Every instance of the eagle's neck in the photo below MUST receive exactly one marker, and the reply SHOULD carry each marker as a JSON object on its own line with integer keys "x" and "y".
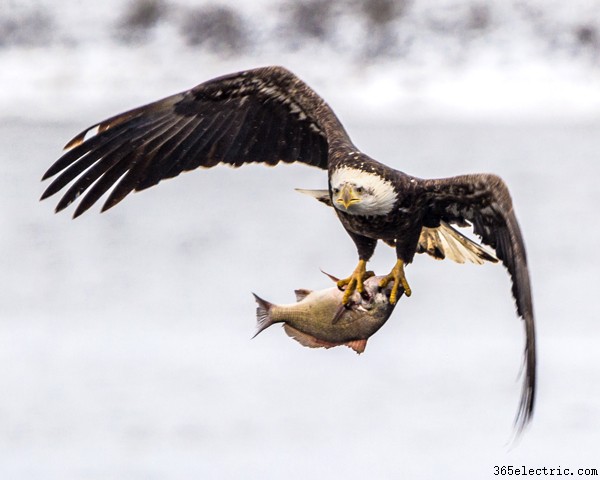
{"x": 379, "y": 195}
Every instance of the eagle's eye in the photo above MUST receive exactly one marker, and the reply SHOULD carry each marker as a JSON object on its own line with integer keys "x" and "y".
{"x": 336, "y": 190}
{"x": 359, "y": 189}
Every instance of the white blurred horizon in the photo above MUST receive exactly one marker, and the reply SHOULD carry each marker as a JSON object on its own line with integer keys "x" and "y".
{"x": 125, "y": 337}
{"x": 535, "y": 60}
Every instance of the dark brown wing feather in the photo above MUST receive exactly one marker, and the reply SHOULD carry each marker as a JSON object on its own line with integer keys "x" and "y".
{"x": 266, "y": 115}
{"x": 484, "y": 202}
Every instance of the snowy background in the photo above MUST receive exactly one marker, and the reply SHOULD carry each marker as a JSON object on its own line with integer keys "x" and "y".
{"x": 125, "y": 346}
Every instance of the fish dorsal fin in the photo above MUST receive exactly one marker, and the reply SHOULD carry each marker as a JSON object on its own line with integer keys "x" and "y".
{"x": 302, "y": 293}
{"x": 333, "y": 278}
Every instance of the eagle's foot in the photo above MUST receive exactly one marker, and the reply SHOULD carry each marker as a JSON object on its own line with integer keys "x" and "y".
{"x": 355, "y": 281}
{"x": 399, "y": 278}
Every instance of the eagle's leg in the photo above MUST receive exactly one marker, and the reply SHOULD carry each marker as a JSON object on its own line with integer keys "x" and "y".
{"x": 399, "y": 278}
{"x": 355, "y": 281}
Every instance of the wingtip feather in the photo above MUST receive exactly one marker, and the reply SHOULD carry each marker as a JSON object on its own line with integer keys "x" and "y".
{"x": 47, "y": 174}
{"x": 81, "y": 137}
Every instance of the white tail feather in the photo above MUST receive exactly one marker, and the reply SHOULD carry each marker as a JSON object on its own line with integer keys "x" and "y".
{"x": 446, "y": 242}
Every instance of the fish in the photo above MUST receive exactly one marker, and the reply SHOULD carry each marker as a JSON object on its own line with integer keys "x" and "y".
{"x": 319, "y": 319}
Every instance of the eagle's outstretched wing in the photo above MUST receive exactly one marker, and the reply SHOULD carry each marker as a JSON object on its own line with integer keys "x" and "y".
{"x": 484, "y": 201}
{"x": 265, "y": 115}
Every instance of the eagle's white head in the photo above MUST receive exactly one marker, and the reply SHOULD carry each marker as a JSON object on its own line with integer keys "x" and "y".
{"x": 357, "y": 192}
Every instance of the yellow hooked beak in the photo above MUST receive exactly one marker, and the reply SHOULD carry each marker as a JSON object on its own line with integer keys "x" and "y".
{"x": 348, "y": 196}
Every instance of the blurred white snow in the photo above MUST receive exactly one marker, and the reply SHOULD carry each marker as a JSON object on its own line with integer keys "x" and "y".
{"x": 125, "y": 345}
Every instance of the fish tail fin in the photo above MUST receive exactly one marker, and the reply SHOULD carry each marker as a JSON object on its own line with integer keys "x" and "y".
{"x": 263, "y": 315}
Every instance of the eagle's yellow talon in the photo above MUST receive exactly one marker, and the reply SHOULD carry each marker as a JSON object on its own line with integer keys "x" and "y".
{"x": 355, "y": 281}
{"x": 348, "y": 293}
{"x": 398, "y": 277}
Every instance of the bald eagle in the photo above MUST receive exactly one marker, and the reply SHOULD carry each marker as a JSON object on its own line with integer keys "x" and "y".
{"x": 268, "y": 115}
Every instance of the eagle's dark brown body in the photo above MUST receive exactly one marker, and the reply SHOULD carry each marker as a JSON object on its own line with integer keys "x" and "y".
{"x": 268, "y": 115}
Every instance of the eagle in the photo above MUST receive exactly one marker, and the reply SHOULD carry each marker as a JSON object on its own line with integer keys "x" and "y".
{"x": 268, "y": 115}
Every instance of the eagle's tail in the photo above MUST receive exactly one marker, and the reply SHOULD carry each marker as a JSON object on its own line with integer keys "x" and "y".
{"x": 263, "y": 315}
{"x": 446, "y": 242}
